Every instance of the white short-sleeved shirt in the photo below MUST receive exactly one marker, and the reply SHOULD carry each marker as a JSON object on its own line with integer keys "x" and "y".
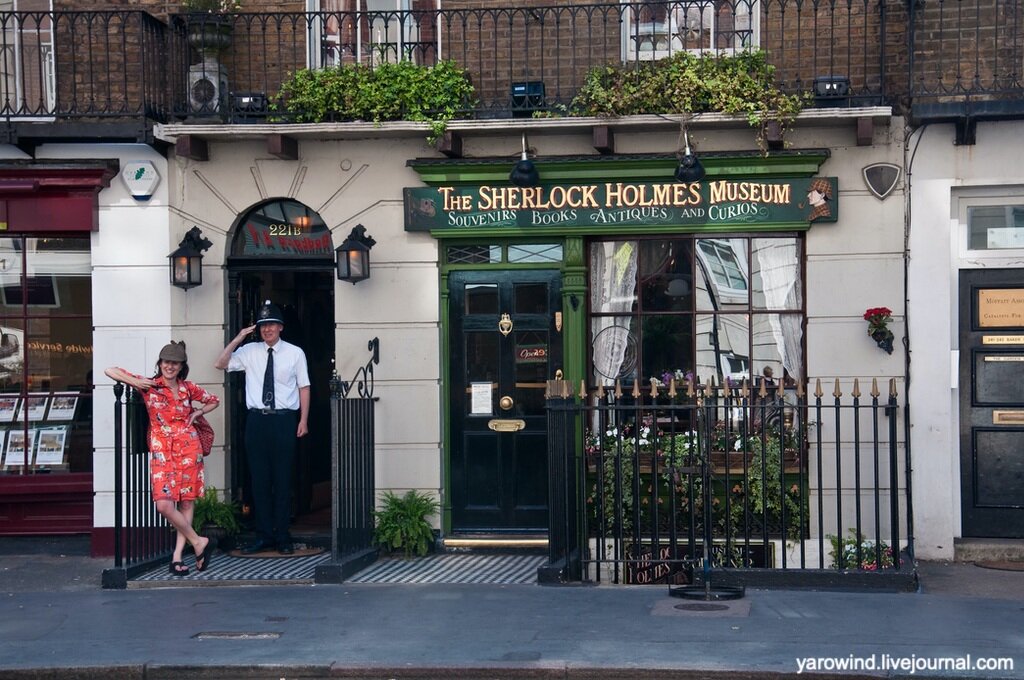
{"x": 290, "y": 373}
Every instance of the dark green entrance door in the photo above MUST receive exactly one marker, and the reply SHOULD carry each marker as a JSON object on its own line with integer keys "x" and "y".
{"x": 992, "y": 402}
{"x": 504, "y": 347}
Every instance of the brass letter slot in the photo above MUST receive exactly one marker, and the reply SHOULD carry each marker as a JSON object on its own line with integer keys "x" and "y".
{"x": 506, "y": 424}
{"x": 1005, "y": 357}
{"x": 1008, "y": 417}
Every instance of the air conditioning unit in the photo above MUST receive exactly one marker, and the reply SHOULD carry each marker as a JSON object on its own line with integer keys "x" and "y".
{"x": 207, "y": 88}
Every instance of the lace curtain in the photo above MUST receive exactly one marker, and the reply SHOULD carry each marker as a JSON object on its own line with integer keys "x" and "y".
{"x": 613, "y": 267}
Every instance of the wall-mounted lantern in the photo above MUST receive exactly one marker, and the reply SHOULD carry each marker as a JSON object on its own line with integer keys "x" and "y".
{"x": 186, "y": 263}
{"x": 353, "y": 255}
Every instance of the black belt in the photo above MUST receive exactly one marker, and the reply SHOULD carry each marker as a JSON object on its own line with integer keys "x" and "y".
{"x": 272, "y": 411}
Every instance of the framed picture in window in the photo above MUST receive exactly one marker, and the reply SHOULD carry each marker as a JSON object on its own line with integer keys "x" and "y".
{"x": 9, "y": 404}
{"x": 37, "y": 291}
{"x": 36, "y": 406}
{"x": 50, "y": 445}
{"x": 62, "y": 407}
{"x": 16, "y": 445}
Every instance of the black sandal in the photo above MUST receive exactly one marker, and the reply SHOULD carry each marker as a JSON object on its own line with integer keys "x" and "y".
{"x": 179, "y": 569}
{"x": 204, "y": 558}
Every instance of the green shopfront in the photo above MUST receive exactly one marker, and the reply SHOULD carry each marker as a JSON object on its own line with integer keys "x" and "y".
{"x": 603, "y": 274}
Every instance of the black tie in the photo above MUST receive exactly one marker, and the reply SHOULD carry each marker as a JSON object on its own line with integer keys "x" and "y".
{"x": 268, "y": 380}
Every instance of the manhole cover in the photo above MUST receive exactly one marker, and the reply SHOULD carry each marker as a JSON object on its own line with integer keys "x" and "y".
{"x": 702, "y": 607}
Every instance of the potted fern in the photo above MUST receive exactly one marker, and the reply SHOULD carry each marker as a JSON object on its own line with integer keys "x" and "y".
{"x": 401, "y": 523}
{"x": 216, "y": 519}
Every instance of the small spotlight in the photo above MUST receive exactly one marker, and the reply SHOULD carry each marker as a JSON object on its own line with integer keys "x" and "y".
{"x": 524, "y": 174}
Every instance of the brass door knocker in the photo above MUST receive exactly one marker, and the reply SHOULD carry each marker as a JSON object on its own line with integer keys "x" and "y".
{"x": 505, "y": 325}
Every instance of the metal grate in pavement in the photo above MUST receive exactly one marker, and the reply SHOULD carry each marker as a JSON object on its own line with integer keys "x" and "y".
{"x": 454, "y": 568}
{"x": 224, "y": 567}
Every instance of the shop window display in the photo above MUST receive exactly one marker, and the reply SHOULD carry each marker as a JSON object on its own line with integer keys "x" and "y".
{"x": 727, "y": 309}
{"x": 45, "y": 355}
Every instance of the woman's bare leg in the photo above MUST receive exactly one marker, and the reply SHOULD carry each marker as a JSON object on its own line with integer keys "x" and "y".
{"x": 183, "y": 524}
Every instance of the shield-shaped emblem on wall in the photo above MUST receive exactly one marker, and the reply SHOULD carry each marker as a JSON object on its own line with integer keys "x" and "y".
{"x": 881, "y": 178}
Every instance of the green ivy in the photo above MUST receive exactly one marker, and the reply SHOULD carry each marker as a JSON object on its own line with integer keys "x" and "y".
{"x": 740, "y": 84}
{"x": 388, "y": 92}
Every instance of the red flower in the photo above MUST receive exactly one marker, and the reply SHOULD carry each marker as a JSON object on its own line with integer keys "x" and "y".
{"x": 881, "y": 312}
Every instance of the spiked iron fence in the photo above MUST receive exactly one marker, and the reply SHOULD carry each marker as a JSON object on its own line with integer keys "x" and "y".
{"x": 778, "y": 485}
{"x": 142, "y": 537}
{"x": 352, "y": 472}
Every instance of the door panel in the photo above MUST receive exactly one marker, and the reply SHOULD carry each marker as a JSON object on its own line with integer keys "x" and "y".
{"x": 499, "y": 478}
{"x": 992, "y": 402}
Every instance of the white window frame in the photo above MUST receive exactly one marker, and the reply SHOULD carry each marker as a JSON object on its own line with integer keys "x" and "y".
{"x": 977, "y": 198}
{"x": 665, "y": 39}
{"x": 13, "y": 82}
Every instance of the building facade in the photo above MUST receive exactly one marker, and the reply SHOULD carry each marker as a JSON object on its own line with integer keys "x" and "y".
{"x": 610, "y": 269}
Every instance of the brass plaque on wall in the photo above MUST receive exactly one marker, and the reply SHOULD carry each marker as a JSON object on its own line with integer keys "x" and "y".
{"x": 1000, "y": 307}
{"x": 1002, "y": 339}
{"x": 1008, "y": 417}
{"x": 1005, "y": 357}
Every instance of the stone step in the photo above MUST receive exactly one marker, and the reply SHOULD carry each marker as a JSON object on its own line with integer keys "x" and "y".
{"x": 988, "y": 549}
{"x": 495, "y": 542}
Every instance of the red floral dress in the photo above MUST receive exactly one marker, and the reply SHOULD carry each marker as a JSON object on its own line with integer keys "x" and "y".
{"x": 175, "y": 454}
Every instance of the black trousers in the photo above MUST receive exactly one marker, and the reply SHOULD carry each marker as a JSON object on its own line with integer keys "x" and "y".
{"x": 270, "y": 449}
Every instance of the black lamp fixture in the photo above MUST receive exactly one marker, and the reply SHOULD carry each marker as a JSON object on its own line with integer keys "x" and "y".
{"x": 689, "y": 168}
{"x": 524, "y": 174}
{"x": 186, "y": 262}
{"x": 352, "y": 257}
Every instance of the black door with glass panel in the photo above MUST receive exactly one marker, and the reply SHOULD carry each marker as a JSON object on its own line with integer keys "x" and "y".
{"x": 992, "y": 403}
{"x": 504, "y": 347}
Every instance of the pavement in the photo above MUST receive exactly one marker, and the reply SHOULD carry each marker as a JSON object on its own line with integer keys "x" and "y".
{"x": 56, "y": 622}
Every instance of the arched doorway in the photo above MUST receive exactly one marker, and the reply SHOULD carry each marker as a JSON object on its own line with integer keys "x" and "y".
{"x": 281, "y": 250}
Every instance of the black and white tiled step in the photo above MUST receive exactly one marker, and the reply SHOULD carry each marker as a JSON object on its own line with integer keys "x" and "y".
{"x": 454, "y": 568}
{"x": 226, "y": 567}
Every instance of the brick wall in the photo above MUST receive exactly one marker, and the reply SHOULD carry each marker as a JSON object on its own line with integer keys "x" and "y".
{"x": 121, "y": 59}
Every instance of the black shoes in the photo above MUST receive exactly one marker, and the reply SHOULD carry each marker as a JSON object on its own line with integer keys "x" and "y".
{"x": 260, "y": 545}
{"x": 257, "y": 546}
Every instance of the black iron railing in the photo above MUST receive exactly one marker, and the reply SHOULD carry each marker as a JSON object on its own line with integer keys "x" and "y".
{"x": 142, "y": 537}
{"x": 675, "y": 484}
{"x": 353, "y": 487}
{"x": 96, "y": 66}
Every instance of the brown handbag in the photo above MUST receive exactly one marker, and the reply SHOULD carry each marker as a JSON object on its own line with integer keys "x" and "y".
{"x": 205, "y": 432}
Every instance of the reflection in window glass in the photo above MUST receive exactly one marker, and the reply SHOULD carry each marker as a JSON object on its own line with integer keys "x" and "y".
{"x": 535, "y": 252}
{"x": 992, "y": 227}
{"x": 482, "y": 298}
{"x": 473, "y": 254}
{"x": 776, "y": 274}
{"x": 531, "y": 298}
{"x": 46, "y": 351}
{"x": 664, "y": 308}
{"x": 725, "y": 261}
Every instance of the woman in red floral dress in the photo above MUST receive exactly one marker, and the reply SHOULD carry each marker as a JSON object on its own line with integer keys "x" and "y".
{"x": 176, "y": 455}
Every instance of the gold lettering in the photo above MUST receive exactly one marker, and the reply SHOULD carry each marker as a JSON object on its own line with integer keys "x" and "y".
{"x": 612, "y": 194}
{"x": 589, "y": 200}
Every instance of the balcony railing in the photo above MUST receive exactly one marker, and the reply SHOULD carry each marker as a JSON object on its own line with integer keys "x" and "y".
{"x": 98, "y": 66}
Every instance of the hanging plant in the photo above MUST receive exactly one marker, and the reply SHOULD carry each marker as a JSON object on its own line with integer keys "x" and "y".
{"x": 878, "y": 319}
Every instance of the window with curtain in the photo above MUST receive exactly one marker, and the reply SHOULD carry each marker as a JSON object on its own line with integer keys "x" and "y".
{"x": 722, "y": 308}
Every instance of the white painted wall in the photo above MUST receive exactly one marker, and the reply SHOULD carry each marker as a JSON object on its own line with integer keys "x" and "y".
{"x": 940, "y": 172}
